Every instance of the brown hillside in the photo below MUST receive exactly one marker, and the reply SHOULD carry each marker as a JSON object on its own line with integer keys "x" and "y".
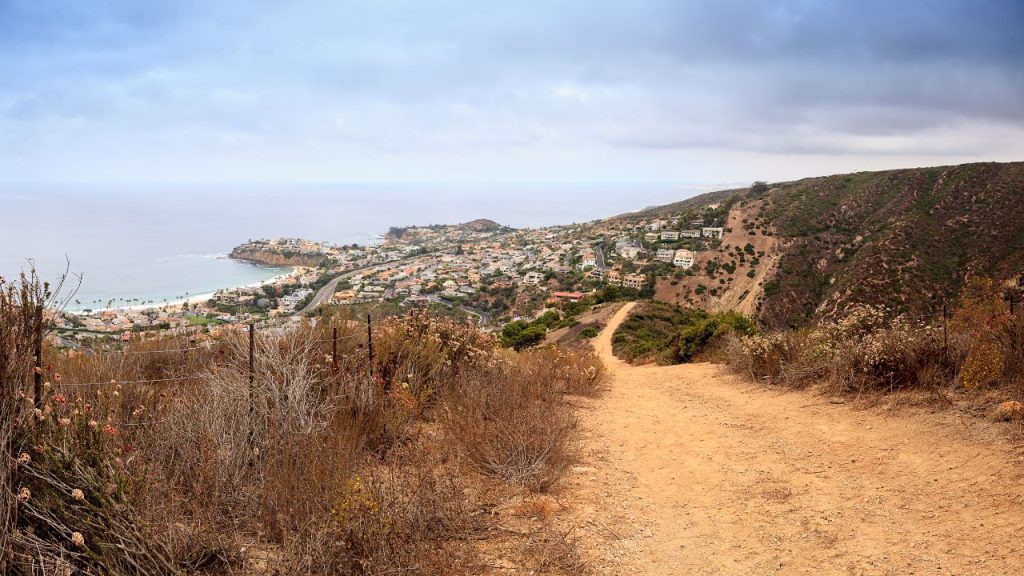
{"x": 903, "y": 238}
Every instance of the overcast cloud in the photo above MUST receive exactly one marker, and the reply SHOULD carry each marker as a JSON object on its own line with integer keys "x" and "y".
{"x": 546, "y": 90}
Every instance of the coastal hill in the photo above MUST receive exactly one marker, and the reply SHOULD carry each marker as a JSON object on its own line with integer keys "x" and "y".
{"x": 280, "y": 252}
{"x": 417, "y": 234}
{"x": 795, "y": 252}
{"x": 482, "y": 225}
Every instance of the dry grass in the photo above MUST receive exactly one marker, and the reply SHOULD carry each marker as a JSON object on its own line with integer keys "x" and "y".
{"x": 868, "y": 352}
{"x": 317, "y": 468}
{"x": 511, "y": 425}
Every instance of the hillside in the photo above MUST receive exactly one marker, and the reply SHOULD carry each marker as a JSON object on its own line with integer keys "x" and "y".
{"x": 902, "y": 238}
{"x": 279, "y": 252}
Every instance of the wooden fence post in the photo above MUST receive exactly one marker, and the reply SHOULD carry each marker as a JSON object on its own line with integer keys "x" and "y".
{"x": 369, "y": 343}
{"x": 334, "y": 347}
{"x": 252, "y": 377}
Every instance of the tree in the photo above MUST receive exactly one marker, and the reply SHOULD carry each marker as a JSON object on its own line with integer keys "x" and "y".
{"x": 758, "y": 189}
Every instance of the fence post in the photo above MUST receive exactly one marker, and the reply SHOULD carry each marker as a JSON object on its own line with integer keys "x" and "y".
{"x": 369, "y": 343}
{"x": 252, "y": 376}
{"x": 37, "y": 369}
{"x": 334, "y": 347}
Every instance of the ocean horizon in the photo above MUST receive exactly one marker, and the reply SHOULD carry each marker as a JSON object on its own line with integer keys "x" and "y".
{"x": 135, "y": 244}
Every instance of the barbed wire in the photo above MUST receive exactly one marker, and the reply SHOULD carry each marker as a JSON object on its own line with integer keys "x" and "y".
{"x": 122, "y": 382}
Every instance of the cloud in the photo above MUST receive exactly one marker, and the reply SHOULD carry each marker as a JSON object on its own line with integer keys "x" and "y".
{"x": 569, "y": 90}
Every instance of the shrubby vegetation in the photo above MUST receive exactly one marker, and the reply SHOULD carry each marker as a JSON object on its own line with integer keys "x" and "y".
{"x": 317, "y": 468}
{"x": 669, "y": 334}
{"x": 869, "y": 349}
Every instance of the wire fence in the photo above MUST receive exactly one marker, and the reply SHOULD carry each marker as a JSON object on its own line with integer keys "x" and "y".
{"x": 334, "y": 340}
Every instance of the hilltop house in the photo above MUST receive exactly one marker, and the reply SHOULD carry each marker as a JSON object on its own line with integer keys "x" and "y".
{"x": 614, "y": 277}
{"x": 690, "y": 234}
{"x": 712, "y": 232}
{"x": 683, "y": 259}
{"x": 669, "y": 235}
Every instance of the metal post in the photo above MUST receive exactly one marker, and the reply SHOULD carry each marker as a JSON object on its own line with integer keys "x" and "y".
{"x": 37, "y": 388}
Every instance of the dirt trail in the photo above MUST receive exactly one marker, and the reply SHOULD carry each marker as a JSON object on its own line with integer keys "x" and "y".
{"x": 687, "y": 470}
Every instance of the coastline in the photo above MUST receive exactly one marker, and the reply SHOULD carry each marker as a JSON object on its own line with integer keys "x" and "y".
{"x": 192, "y": 299}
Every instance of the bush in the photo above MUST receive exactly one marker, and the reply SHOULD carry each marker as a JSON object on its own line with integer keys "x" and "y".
{"x": 511, "y": 426}
{"x": 314, "y": 469}
{"x": 696, "y": 336}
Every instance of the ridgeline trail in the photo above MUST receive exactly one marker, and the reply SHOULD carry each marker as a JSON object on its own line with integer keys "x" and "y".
{"x": 690, "y": 470}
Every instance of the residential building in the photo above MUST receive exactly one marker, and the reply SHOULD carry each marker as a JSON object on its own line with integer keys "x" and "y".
{"x": 613, "y": 277}
{"x": 664, "y": 255}
{"x": 712, "y": 232}
{"x": 690, "y": 234}
{"x": 683, "y": 259}
{"x": 570, "y": 296}
{"x": 533, "y": 278}
{"x": 634, "y": 281}
{"x": 667, "y": 235}
{"x": 651, "y": 236}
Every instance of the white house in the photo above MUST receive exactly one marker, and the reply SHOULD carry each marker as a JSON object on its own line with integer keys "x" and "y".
{"x": 664, "y": 255}
{"x": 532, "y": 278}
{"x": 669, "y": 235}
{"x": 712, "y": 232}
{"x": 683, "y": 259}
{"x": 651, "y": 236}
{"x": 690, "y": 234}
{"x": 588, "y": 259}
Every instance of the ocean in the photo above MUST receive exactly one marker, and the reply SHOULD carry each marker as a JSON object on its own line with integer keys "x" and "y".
{"x": 155, "y": 243}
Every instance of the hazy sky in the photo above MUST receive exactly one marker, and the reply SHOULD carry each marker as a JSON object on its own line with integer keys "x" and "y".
{"x": 524, "y": 90}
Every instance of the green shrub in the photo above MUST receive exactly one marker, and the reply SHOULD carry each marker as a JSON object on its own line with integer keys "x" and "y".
{"x": 697, "y": 336}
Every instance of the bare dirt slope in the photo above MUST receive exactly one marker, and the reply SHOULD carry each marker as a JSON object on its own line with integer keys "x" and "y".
{"x": 687, "y": 470}
{"x": 739, "y": 291}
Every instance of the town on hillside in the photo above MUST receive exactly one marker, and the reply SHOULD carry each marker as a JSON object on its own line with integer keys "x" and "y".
{"x": 481, "y": 270}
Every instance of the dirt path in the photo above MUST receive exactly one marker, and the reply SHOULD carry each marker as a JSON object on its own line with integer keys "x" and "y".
{"x": 687, "y": 470}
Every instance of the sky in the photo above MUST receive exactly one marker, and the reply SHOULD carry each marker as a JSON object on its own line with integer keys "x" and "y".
{"x": 523, "y": 91}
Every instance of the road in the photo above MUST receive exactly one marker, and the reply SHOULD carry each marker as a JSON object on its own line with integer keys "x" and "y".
{"x": 326, "y": 292}
{"x": 599, "y": 257}
{"x": 689, "y": 470}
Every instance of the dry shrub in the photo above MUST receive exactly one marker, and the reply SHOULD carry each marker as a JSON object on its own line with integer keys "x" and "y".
{"x": 869, "y": 349}
{"x": 577, "y": 371}
{"x": 511, "y": 425}
{"x": 317, "y": 466}
{"x": 863, "y": 351}
{"x": 422, "y": 353}
{"x": 391, "y": 519}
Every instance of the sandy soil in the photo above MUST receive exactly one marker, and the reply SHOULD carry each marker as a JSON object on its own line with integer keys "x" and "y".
{"x": 687, "y": 470}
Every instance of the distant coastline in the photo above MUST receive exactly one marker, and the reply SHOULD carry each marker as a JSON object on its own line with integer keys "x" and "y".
{"x": 85, "y": 310}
